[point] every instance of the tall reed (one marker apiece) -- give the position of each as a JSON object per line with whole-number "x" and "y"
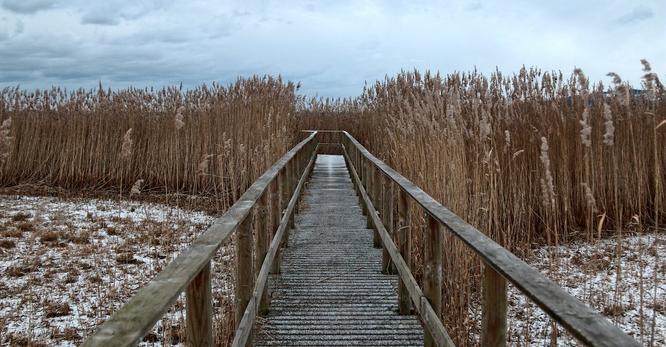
{"x": 532, "y": 158}
{"x": 110, "y": 139}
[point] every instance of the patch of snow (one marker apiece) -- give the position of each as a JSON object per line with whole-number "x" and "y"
{"x": 633, "y": 298}
{"x": 67, "y": 265}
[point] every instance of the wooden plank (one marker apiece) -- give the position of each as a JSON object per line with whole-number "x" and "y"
{"x": 376, "y": 189}
{"x": 138, "y": 316}
{"x": 244, "y": 329}
{"x": 275, "y": 220}
{"x": 199, "y": 307}
{"x": 432, "y": 324}
{"x": 283, "y": 188}
{"x": 263, "y": 238}
{"x": 584, "y": 323}
{"x": 493, "y": 331}
{"x": 432, "y": 279}
{"x": 244, "y": 269}
{"x": 385, "y": 217}
{"x": 404, "y": 238}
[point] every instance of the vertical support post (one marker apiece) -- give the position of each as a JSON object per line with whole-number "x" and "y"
{"x": 200, "y": 310}
{"x": 244, "y": 271}
{"x": 387, "y": 202}
{"x": 362, "y": 172}
{"x": 262, "y": 233}
{"x": 368, "y": 189}
{"x": 493, "y": 330}
{"x": 376, "y": 190}
{"x": 275, "y": 222}
{"x": 433, "y": 271}
{"x": 404, "y": 239}
{"x": 292, "y": 187}
{"x": 283, "y": 187}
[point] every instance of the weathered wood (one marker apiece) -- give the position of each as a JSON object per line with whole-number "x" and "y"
{"x": 283, "y": 187}
{"x": 275, "y": 219}
{"x": 139, "y": 315}
{"x": 369, "y": 187}
{"x": 587, "y": 325}
{"x": 293, "y": 181}
{"x": 432, "y": 279}
{"x": 263, "y": 234}
{"x": 404, "y": 243}
{"x": 430, "y": 320}
{"x": 199, "y": 307}
{"x": 244, "y": 269}
{"x": 244, "y": 329}
{"x": 385, "y": 217}
{"x": 376, "y": 188}
{"x": 493, "y": 331}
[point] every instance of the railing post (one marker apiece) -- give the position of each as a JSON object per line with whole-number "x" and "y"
{"x": 263, "y": 234}
{"x": 275, "y": 222}
{"x": 244, "y": 271}
{"x": 376, "y": 189}
{"x": 368, "y": 189}
{"x": 387, "y": 201}
{"x": 404, "y": 244}
{"x": 283, "y": 187}
{"x": 293, "y": 182}
{"x": 493, "y": 331}
{"x": 200, "y": 310}
{"x": 362, "y": 172}
{"x": 433, "y": 271}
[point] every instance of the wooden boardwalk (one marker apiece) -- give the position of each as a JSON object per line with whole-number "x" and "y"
{"x": 331, "y": 291}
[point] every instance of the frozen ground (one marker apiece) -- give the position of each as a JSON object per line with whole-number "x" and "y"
{"x": 66, "y": 265}
{"x": 637, "y": 303}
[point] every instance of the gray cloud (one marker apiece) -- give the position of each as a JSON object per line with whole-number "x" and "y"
{"x": 27, "y": 6}
{"x": 638, "y": 14}
{"x": 99, "y": 19}
{"x": 331, "y": 47}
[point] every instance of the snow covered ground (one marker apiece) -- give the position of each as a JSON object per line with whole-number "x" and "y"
{"x": 66, "y": 265}
{"x": 636, "y": 303}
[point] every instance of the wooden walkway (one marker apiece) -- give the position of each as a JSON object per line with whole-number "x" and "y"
{"x": 331, "y": 291}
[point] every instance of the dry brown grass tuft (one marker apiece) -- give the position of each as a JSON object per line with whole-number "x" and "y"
{"x": 7, "y": 244}
{"x": 57, "y": 309}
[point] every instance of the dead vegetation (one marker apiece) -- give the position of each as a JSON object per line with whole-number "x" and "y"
{"x": 535, "y": 158}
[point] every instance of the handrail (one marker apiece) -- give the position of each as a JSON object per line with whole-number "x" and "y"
{"x": 587, "y": 325}
{"x": 191, "y": 267}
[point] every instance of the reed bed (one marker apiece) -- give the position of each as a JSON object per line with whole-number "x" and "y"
{"x": 531, "y": 159}
{"x": 211, "y": 140}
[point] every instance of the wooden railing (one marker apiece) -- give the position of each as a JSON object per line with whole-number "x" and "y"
{"x": 385, "y": 193}
{"x": 274, "y": 196}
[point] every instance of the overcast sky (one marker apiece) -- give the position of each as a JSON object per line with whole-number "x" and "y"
{"x": 331, "y": 47}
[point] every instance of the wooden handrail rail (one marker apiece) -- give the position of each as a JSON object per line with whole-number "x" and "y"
{"x": 584, "y": 323}
{"x": 129, "y": 324}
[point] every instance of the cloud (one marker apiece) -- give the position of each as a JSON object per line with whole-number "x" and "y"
{"x": 10, "y": 28}
{"x": 99, "y": 19}
{"x": 27, "y": 6}
{"x": 638, "y": 14}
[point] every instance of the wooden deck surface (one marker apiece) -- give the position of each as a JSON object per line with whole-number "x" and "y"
{"x": 331, "y": 291}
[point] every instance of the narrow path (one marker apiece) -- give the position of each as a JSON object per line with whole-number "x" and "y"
{"x": 331, "y": 291}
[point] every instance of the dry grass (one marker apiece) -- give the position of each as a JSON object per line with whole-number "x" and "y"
{"x": 533, "y": 158}
{"x": 114, "y": 139}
